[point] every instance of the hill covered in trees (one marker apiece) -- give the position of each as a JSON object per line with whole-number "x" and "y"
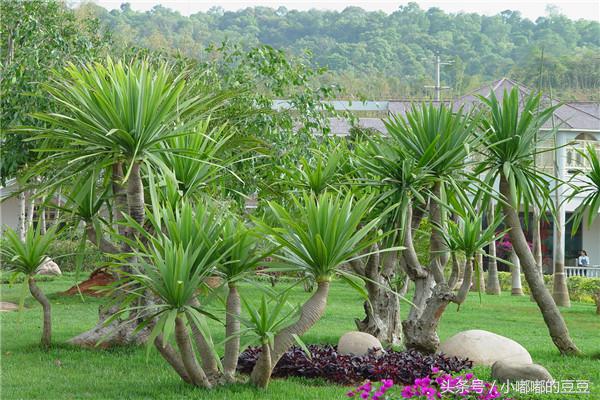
{"x": 387, "y": 55}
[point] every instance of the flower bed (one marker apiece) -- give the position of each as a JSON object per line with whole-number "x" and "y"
{"x": 325, "y": 362}
{"x": 440, "y": 386}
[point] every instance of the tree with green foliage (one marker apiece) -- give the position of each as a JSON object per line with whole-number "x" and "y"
{"x": 390, "y": 49}
{"x": 510, "y": 136}
{"x": 25, "y": 257}
{"x": 36, "y": 37}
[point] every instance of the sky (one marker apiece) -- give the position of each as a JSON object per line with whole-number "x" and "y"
{"x": 532, "y": 9}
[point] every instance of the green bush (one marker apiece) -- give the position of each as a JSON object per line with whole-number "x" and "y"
{"x": 581, "y": 289}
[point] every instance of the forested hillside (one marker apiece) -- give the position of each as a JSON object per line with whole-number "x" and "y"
{"x": 388, "y": 55}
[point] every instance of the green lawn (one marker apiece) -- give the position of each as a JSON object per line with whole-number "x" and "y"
{"x": 70, "y": 373}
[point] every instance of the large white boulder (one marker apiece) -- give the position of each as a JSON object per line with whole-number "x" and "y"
{"x": 49, "y": 267}
{"x": 485, "y": 348}
{"x": 503, "y": 371}
{"x": 358, "y": 343}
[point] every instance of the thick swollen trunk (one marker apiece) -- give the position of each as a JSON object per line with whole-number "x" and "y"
{"x": 382, "y": 311}
{"x": 310, "y": 313}
{"x": 421, "y": 333}
{"x": 206, "y": 350}
{"x": 188, "y": 357}
{"x": 172, "y": 357}
{"x": 232, "y": 330}
{"x": 550, "y": 312}
{"x": 22, "y": 219}
{"x": 261, "y": 374}
{"x": 135, "y": 194}
{"x": 43, "y": 300}
{"x": 515, "y": 270}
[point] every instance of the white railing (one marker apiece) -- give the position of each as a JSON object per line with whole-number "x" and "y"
{"x": 588, "y": 272}
{"x": 575, "y": 160}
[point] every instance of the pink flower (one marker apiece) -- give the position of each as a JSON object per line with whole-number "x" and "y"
{"x": 407, "y": 392}
{"x": 468, "y": 376}
{"x": 387, "y": 383}
{"x": 364, "y": 395}
{"x": 350, "y": 394}
{"x": 435, "y": 370}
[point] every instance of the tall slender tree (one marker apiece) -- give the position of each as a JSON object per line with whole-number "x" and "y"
{"x": 509, "y": 145}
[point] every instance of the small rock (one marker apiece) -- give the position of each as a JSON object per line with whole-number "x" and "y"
{"x": 58, "y": 363}
{"x": 49, "y": 267}
{"x": 504, "y": 371}
{"x": 6, "y": 306}
{"x": 485, "y": 348}
{"x": 358, "y": 343}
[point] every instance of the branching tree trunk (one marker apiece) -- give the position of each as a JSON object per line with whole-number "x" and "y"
{"x": 454, "y": 273}
{"x": 437, "y": 248}
{"x": 194, "y": 371}
{"x": 552, "y": 317}
{"x": 43, "y": 300}
{"x": 421, "y": 334}
{"x": 382, "y": 311}
{"x": 172, "y": 357}
{"x": 420, "y": 327}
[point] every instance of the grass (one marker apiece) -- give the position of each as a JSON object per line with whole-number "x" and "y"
{"x": 71, "y": 373}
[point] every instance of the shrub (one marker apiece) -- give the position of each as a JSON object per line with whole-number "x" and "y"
{"x": 580, "y": 288}
{"x": 64, "y": 253}
{"x": 325, "y": 362}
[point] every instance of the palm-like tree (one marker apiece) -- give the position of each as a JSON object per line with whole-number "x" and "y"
{"x": 25, "y": 257}
{"x": 509, "y": 146}
{"x": 418, "y": 166}
{"x": 116, "y": 121}
{"x": 588, "y": 186}
{"x": 468, "y": 238}
{"x": 439, "y": 140}
{"x": 183, "y": 246}
{"x": 322, "y": 234}
{"x": 118, "y": 114}
{"x": 243, "y": 254}
{"x": 263, "y": 323}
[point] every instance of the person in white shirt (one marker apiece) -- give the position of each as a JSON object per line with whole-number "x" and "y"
{"x": 583, "y": 260}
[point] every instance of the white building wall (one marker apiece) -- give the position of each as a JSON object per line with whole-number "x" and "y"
{"x": 591, "y": 241}
{"x": 9, "y": 213}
